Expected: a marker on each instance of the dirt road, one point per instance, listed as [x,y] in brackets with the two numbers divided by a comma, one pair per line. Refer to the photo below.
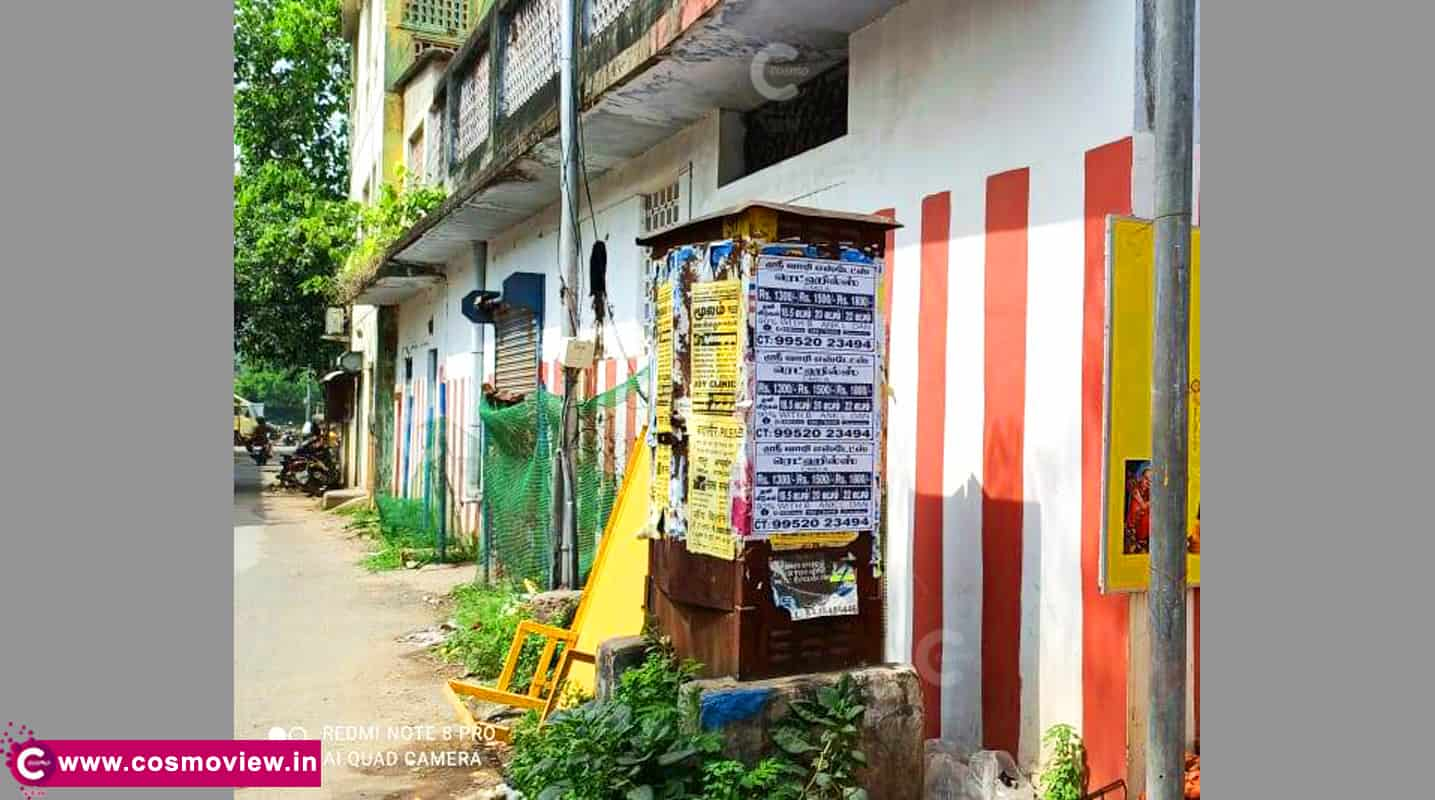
[317,647]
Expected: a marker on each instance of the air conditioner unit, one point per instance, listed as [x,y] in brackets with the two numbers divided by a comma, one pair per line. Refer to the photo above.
[336,321]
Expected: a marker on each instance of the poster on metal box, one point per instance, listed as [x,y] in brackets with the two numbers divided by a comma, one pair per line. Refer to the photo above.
[811,585]
[714,442]
[815,419]
[714,318]
[663,354]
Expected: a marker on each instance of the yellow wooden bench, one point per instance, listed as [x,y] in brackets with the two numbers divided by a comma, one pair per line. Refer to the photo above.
[612,605]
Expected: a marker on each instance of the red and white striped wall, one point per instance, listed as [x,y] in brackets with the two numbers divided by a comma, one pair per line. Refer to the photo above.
[994,456]
[623,425]
[618,428]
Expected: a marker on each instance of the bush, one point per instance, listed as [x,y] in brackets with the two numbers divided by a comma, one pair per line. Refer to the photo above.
[487,618]
[399,526]
[645,744]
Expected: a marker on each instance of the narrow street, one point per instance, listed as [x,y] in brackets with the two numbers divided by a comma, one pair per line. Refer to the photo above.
[317,643]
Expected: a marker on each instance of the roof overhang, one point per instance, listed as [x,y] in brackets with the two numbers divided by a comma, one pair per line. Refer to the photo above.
[396,283]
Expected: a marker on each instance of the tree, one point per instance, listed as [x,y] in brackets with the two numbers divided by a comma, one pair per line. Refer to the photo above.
[292,225]
[291,89]
[283,395]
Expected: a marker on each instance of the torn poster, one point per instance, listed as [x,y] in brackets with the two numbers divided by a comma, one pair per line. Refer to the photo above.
[811,585]
[714,318]
[663,353]
[713,446]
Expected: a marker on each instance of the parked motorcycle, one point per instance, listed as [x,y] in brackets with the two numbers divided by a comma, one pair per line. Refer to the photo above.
[311,469]
[260,452]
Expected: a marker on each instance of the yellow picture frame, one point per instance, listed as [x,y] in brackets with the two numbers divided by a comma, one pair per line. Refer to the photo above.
[1130,251]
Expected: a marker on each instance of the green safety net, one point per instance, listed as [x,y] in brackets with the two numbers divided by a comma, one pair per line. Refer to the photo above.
[427,516]
[519,455]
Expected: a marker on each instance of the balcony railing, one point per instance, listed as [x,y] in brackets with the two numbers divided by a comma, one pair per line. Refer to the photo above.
[602,13]
[530,55]
[504,78]
[444,17]
[474,109]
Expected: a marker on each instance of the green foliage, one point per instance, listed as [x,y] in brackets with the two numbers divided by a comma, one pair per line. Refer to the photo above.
[289,235]
[292,225]
[638,746]
[1063,777]
[820,739]
[399,206]
[281,391]
[398,527]
[487,619]
[645,744]
[291,90]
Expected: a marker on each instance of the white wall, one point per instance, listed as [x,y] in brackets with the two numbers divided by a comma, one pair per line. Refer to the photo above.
[367,132]
[418,96]
[944,94]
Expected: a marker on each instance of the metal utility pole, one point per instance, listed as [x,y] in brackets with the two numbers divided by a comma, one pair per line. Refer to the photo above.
[308,381]
[567,566]
[1175,41]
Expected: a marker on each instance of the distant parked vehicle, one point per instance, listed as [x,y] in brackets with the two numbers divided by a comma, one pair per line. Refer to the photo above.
[245,421]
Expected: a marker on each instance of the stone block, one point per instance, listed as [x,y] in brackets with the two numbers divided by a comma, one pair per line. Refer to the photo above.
[746,712]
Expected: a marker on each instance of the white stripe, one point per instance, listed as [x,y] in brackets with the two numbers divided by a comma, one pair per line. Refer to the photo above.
[962,467]
[1051,454]
[905,265]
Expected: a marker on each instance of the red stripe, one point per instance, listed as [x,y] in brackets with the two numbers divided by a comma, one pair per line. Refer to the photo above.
[398,439]
[610,430]
[1196,627]
[632,431]
[1003,430]
[931,429]
[1104,619]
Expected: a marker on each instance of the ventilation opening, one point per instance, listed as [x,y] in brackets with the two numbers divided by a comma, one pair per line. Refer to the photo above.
[779,129]
[660,209]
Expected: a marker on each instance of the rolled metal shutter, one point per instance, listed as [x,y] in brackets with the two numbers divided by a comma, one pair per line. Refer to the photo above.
[516,350]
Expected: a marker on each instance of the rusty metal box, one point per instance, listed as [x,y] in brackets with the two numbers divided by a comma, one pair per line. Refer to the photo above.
[767,423]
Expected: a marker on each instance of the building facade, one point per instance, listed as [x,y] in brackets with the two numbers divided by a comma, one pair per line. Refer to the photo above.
[1000,135]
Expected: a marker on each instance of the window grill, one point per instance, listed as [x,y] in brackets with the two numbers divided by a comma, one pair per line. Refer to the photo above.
[530,60]
[661,208]
[450,16]
[602,13]
[473,107]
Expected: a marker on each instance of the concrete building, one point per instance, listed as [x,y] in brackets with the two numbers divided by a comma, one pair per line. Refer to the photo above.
[999,134]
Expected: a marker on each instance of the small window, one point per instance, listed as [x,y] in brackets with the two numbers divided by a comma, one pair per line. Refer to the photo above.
[660,209]
[814,114]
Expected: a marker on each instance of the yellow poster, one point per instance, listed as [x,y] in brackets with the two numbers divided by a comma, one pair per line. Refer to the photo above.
[714,314]
[810,541]
[663,373]
[1130,322]
[662,476]
[713,443]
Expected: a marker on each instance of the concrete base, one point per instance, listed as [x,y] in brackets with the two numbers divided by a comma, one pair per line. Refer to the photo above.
[337,497]
[891,726]
[616,656]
